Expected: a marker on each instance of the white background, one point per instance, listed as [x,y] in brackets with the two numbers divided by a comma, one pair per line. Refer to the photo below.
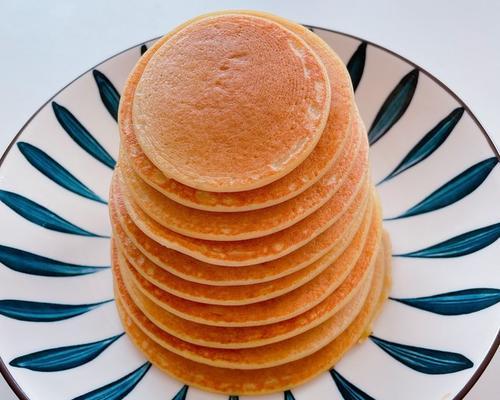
[44,44]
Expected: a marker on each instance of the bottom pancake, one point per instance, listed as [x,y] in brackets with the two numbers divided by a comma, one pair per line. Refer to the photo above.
[263,380]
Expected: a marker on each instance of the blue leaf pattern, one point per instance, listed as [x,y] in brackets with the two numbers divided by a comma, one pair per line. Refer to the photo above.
[44,312]
[454,190]
[33,264]
[81,135]
[460,245]
[109,95]
[347,389]
[455,303]
[427,361]
[394,106]
[356,65]
[181,394]
[56,172]
[428,144]
[40,215]
[118,389]
[144,48]
[288,395]
[62,358]
[234,398]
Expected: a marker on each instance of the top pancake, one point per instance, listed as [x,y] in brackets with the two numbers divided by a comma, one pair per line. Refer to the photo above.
[269,91]
[334,137]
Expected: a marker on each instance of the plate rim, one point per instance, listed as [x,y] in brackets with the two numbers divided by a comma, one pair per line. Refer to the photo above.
[13,384]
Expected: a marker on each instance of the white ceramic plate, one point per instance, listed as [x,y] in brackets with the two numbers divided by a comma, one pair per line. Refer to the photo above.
[60,336]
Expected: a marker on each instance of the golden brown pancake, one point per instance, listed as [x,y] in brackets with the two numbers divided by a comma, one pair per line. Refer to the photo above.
[252,251]
[269,311]
[230,103]
[330,244]
[330,289]
[246,224]
[256,381]
[259,357]
[227,295]
[326,152]
[248,337]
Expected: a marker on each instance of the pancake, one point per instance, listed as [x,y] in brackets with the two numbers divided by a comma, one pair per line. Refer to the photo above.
[227,295]
[330,243]
[251,251]
[246,224]
[257,381]
[269,311]
[268,88]
[328,291]
[260,357]
[335,136]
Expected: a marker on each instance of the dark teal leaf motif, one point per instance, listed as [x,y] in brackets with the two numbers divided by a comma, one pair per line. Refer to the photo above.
[33,264]
[454,190]
[181,394]
[460,245]
[56,172]
[118,389]
[347,389]
[62,358]
[394,106]
[81,135]
[44,312]
[288,395]
[109,95]
[428,144]
[144,48]
[234,398]
[427,361]
[455,303]
[40,215]
[356,65]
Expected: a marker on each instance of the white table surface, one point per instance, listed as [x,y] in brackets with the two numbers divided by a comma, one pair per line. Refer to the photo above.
[44,44]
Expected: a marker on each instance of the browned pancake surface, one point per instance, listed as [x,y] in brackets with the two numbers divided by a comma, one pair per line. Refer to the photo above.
[313,168]
[269,91]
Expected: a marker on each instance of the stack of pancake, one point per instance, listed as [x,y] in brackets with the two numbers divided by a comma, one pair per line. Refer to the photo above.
[248,250]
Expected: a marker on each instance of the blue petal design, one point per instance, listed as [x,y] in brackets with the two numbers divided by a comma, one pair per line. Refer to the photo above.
[33,264]
[44,312]
[118,389]
[56,172]
[428,144]
[81,135]
[356,65]
[40,215]
[181,394]
[394,106]
[460,245]
[62,358]
[347,389]
[288,395]
[144,48]
[455,303]
[454,190]
[109,95]
[427,361]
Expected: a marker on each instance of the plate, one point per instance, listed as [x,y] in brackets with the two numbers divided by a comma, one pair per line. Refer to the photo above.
[436,171]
